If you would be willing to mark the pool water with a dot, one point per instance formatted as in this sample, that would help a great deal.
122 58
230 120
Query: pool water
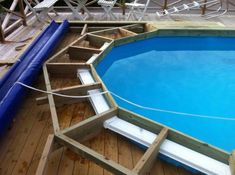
185 74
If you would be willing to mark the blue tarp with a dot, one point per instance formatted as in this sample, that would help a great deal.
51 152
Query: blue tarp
25 71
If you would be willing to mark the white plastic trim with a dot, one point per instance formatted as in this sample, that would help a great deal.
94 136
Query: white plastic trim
92 59
105 45
168 148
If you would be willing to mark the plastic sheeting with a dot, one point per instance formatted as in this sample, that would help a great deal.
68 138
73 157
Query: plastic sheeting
25 71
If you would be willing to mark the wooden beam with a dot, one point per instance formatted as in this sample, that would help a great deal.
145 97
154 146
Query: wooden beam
204 8
13 26
65 69
42 100
104 39
84 29
55 121
58 54
21 6
126 32
65 50
2 37
6 62
45 154
72 90
92 155
90 127
97 40
146 162
174 136
108 96
83 53
232 163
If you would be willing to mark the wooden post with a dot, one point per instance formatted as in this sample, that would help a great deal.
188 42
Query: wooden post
232 163
204 8
2 37
21 6
165 5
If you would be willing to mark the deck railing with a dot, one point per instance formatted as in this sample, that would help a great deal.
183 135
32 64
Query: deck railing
7 26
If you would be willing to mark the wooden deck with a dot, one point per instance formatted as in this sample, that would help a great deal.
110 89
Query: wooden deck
21 148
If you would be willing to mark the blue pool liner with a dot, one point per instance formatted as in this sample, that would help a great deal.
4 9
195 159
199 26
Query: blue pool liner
26 70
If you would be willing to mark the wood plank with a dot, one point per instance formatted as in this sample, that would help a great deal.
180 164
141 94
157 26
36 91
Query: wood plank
54 162
10 157
92 155
97 144
45 154
26 156
126 32
146 162
157 168
42 100
169 169
72 90
7 62
96 40
232 162
174 136
136 153
65 69
81 165
124 153
54 116
89 127
40 147
81 53
2 37
110 148
66 163
108 96
84 29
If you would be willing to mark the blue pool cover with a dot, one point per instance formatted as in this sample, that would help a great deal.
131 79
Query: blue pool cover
25 70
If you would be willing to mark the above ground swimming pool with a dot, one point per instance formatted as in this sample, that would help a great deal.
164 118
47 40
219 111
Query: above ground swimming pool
193 75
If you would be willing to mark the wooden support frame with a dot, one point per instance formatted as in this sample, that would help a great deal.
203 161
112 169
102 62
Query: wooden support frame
108 96
89 127
83 53
84 29
96 40
92 155
65 69
2 36
232 162
21 6
174 136
51 101
145 164
72 90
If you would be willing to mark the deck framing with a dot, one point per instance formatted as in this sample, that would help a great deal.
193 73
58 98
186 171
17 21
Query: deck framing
74 136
